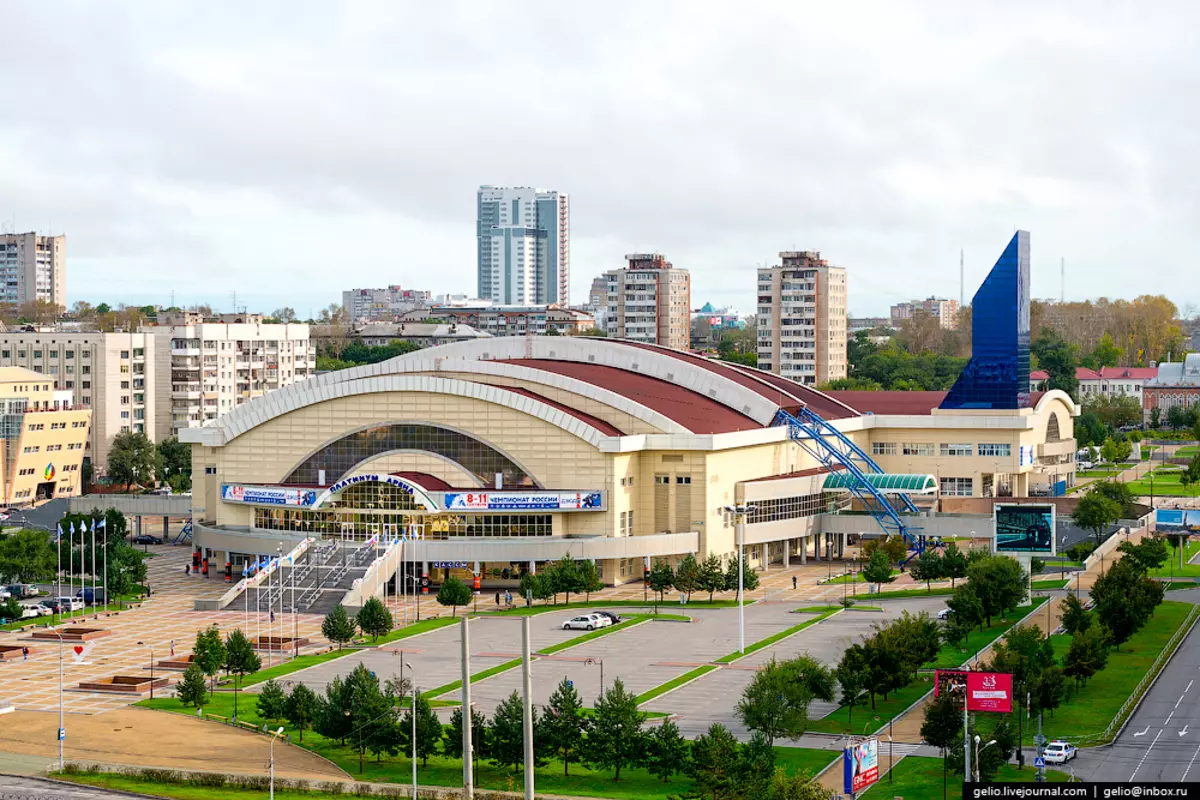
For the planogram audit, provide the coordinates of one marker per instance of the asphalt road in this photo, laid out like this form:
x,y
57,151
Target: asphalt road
x,y
1162,740
21,788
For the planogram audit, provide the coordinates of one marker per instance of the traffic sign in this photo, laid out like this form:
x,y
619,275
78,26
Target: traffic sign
x,y
1039,762
62,734
570,684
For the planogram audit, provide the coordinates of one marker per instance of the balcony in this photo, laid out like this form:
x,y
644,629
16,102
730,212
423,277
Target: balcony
x,y
183,351
185,391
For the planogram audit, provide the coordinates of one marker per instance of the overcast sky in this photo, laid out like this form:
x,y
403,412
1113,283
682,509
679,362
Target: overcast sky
x,y
291,150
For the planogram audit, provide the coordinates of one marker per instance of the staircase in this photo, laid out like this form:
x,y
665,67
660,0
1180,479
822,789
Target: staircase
x,y
332,586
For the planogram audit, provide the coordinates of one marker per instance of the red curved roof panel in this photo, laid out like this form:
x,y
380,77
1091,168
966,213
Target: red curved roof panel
x,y
606,428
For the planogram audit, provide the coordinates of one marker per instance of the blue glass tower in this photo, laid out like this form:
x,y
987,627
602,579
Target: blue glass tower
x,y
997,376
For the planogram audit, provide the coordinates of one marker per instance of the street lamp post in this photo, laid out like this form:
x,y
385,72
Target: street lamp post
x,y
150,647
413,713
740,511
62,726
599,661
979,750
271,761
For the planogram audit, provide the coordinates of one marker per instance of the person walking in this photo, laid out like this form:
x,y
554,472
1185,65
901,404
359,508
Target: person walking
x,y
793,581
497,599
24,653
172,648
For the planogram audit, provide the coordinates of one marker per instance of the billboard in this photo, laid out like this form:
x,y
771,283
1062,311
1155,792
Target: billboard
x,y
1024,528
267,495
860,765
983,691
1177,520
523,501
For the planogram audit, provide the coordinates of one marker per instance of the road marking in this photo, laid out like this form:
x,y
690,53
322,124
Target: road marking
x,y
1169,718
1185,691
1147,753
1184,731
1189,766
1142,733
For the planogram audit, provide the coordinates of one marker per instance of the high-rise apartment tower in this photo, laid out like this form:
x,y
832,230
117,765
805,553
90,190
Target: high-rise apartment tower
x,y
32,268
802,318
524,245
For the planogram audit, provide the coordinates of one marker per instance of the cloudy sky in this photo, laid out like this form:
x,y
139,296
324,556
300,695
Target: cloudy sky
x,y
290,150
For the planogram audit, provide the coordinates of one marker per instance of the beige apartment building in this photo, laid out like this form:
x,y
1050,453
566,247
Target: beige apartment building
x,y
33,268
944,310
649,301
43,438
161,379
802,318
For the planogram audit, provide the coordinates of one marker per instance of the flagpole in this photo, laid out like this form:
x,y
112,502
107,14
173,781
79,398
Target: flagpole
x,y
59,543
104,544
93,566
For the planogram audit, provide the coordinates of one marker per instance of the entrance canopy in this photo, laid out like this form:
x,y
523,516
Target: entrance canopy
x,y
886,484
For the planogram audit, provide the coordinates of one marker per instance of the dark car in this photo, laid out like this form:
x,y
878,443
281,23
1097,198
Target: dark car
x,y
616,618
146,538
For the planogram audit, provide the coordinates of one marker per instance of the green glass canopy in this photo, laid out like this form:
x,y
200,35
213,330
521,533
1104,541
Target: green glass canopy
x,y
886,483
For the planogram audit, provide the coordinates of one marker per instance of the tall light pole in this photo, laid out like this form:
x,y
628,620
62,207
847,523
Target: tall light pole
x,y
468,744
979,750
599,661
62,726
413,714
271,761
740,511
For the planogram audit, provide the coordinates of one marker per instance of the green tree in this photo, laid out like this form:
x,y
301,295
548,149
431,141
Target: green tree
x,y
1156,417
1025,653
453,593
666,751
333,719
878,569
967,610
798,786
999,584
1047,690
1106,354
302,708
589,578
452,744
1118,492
1059,359
192,690
209,653
1149,554
853,674
337,626
1191,475
174,458
1108,451
1086,655
27,556
429,729
714,767
749,576
371,724
566,577
564,723
1124,598
615,739
756,765
506,743
942,725
662,578
132,458
774,703
240,660
712,576
927,568
954,563
272,702
687,576
1075,618
374,619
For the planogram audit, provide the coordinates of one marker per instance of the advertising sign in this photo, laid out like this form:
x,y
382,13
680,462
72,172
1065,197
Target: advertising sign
x,y
989,691
267,495
1025,528
860,765
1177,520
953,681
523,501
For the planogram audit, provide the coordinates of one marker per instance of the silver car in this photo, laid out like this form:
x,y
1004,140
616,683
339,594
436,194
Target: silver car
x,y
587,622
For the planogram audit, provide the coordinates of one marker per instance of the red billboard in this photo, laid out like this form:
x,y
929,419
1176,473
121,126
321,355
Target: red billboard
x,y
989,691
860,766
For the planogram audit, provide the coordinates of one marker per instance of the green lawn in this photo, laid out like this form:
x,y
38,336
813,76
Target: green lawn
x,y
663,688
1099,473
1047,585
424,626
773,638
854,577
442,771
910,593
814,609
1171,585
1187,451
866,719
1166,484
1088,711
921,777
527,611
1172,568
953,655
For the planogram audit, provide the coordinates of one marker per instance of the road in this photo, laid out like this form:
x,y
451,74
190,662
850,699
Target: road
x,y
1162,740
15,788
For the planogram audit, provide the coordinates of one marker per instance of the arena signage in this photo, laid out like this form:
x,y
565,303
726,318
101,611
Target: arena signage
x,y
523,501
267,495
417,493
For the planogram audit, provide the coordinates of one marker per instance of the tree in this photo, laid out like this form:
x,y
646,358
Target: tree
x,y
285,314
429,729
1048,690
1075,618
927,568
132,458
1124,598
1156,417
715,764
302,708
453,593
967,608
452,744
566,577
749,576
666,751
506,743
954,563
240,660
1191,475
615,739
774,705
27,556
337,626
755,766
209,653
1025,653
942,724
1086,655
174,458
534,586
1119,493
853,674
1149,554
564,723
371,722
272,702
1108,451
878,569
374,619
1058,358
589,578
192,690
662,578
799,786
687,575
712,577
999,583
333,710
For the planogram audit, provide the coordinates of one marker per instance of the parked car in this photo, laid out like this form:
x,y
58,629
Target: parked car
x,y
1084,464
30,612
69,604
587,622
613,617
22,590
146,538
162,490
38,609
5,594
1059,752
945,613
90,596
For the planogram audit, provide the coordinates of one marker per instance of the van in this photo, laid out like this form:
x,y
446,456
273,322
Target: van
x,y
91,596
69,604
22,590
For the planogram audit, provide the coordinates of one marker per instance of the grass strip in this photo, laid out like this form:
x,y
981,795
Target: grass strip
x,y
951,655
896,593
478,676
921,776
529,611
1045,586
773,638
416,628
295,665
844,721
674,683
814,609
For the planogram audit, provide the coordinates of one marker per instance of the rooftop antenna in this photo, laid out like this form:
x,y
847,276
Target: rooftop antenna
x,y
961,280
233,294
1063,278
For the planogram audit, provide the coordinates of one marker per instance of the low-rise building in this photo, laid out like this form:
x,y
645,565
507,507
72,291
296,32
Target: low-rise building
x,y
497,320
383,304
943,309
43,437
1089,381
1177,385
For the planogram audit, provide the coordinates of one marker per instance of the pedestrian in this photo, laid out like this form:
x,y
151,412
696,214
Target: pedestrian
x,y
793,581
497,599
172,648
187,569
272,616
24,653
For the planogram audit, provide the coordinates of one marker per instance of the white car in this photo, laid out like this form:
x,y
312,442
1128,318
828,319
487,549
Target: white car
x,y
29,612
38,610
587,622
1059,752
1085,465
945,613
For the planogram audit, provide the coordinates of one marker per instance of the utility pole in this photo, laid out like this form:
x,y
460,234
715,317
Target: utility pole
x,y
468,752
527,715
1062,266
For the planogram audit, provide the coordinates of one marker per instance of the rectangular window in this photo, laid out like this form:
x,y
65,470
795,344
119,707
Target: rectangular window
x,y
210,470
955,449
998,450
124,354
683,479
957,487
662,480
918,449
883,448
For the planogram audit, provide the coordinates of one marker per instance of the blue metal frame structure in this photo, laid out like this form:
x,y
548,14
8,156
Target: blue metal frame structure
x,y
184,535
830,447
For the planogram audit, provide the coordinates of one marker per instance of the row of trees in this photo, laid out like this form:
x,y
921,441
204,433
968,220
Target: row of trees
x,y
565,576
210,655
373,619
135,459
886,660
1106,503
711,575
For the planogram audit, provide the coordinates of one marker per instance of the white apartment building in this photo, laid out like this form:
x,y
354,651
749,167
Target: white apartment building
x,y
802,318
944,310
33,268
215,367
384,305
649,301
523,236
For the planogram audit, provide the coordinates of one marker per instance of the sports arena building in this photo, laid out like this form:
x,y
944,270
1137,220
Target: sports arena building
x,y
501,453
